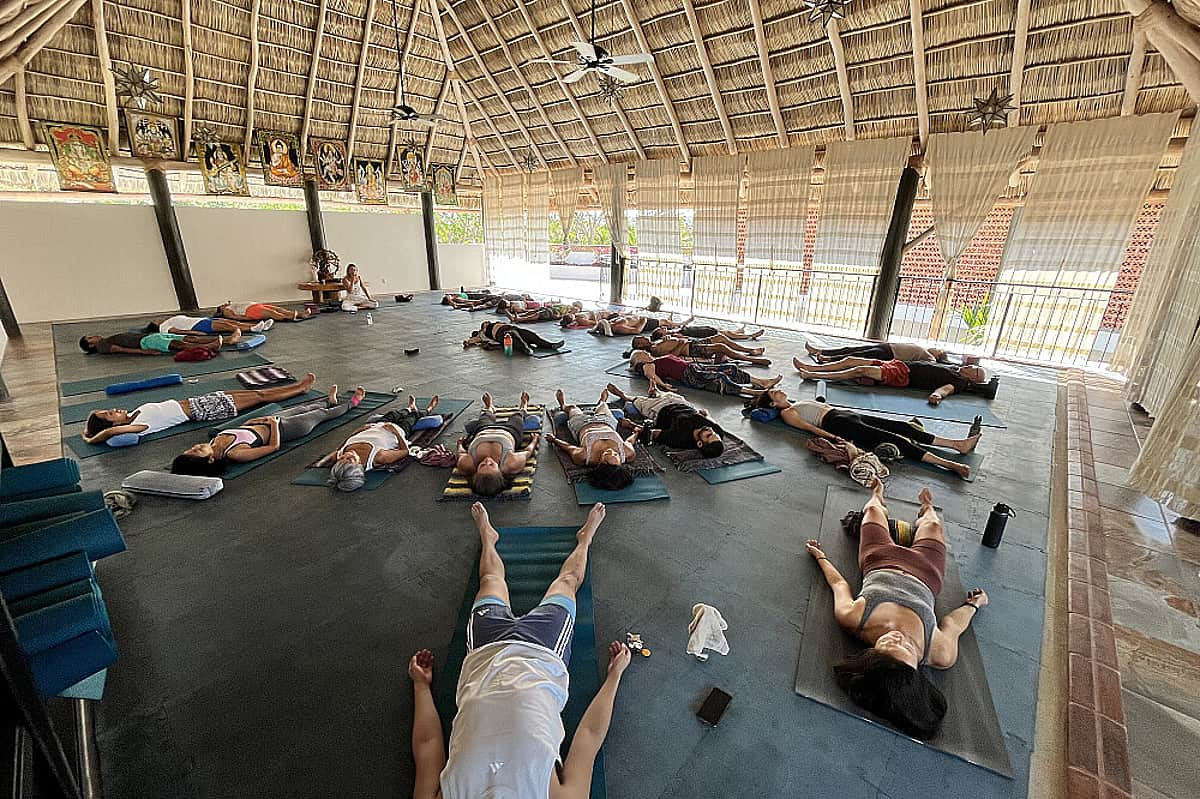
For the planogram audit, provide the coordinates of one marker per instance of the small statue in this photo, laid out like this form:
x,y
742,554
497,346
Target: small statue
x,y
325,265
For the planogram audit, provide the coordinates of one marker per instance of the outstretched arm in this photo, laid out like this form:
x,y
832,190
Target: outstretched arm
x,y
944,647
110,432
843,599
940,394
429,749
575,452
593,727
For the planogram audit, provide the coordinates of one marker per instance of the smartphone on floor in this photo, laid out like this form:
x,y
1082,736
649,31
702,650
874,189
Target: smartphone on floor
x,y
714,707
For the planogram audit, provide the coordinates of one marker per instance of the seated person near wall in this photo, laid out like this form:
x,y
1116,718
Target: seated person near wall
x,y
258,311
375,445
868,432
139,343
894,615
490,336
357,297
596,442
687,330
216,406
721,378
206,326
884,351
941,380
700,348
550,312
675,422
490,453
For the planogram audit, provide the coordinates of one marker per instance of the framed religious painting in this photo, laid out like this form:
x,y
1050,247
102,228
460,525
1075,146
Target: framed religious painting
x,y
280,153
412,169
79,156
333,167
443,184
369,182
223,169
153,137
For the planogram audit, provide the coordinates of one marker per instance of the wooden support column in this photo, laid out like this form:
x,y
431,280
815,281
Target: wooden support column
x,y
920,84
252,80
1133,77
189,77
431,257
106,74
312,209
883,303
168,228
311,87
22,104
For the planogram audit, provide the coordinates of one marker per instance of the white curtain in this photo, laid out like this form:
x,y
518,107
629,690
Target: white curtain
x,y
493,229
537,223
1161,325
1168,468
612,183
658,211
566,184
966,173
861,178
715,183
512,218
777,207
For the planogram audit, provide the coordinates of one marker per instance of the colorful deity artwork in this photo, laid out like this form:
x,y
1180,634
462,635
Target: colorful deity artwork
x,y
329,156
443,184
153,137
412,169
369,182
280,154
80,157
223,169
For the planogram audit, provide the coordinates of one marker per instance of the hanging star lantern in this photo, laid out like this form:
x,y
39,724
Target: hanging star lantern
x,y
136,85
204,136
823,11
991,112
611,89
529,162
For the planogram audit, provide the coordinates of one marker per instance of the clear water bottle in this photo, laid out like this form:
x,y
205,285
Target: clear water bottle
x,y
508,343
370,319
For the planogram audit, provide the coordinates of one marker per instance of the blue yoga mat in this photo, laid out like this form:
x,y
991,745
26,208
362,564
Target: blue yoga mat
x,y
738,471
532,558
71,663
643,489
956,408
78,412
225,362
45,576
319,476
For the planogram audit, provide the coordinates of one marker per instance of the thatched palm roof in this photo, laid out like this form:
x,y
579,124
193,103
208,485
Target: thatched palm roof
x,y
714,94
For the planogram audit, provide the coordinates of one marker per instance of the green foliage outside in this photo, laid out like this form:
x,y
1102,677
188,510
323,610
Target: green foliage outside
x,y
975,319
458,227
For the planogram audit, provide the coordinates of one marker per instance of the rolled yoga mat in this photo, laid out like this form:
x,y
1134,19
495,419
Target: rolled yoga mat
x,y
532,558
971,730
225,362
906,402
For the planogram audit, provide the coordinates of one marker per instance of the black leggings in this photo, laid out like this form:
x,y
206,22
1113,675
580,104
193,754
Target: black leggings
x,y
882,352
525,341
871,431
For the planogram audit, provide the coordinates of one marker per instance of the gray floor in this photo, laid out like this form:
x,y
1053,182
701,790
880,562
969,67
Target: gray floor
x,y
264,634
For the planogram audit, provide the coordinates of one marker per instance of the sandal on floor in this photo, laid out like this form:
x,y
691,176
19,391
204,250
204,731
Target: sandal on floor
x,y
976,427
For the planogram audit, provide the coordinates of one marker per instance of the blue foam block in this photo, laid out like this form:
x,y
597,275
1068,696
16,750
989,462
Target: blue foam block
x,y
764,414
95,534
55,476
32,510
139,385
428,423
46,576
533,423
250,342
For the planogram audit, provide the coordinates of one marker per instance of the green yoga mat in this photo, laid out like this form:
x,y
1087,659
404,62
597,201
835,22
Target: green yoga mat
x,y
532,557
82,449
72,414
738,471
957,408
319,476
225,362
643,489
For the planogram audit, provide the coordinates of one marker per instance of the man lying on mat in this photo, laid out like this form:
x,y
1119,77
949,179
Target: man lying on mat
x,y
375,445
262,435
481,301
586,318
894,615
216,406
508,731
941,380
868,432
550,312
490,336
490,453
258,311
630,325
596,442
206,325
700,348
675,422
721,378
882,350
141,343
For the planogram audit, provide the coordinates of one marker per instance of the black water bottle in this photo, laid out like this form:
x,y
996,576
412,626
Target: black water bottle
x,y
995,525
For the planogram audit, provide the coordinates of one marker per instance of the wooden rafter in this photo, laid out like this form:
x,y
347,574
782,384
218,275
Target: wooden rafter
x,y
537,105
920,83
768,74
491,125
573,18
408,38
456,85
492,81
368,23
110,83
1016,78
255,8
437,110
476,154
22,102
709,75
310,90
189,74
636,26
24,21
843,76
22,52
1133,77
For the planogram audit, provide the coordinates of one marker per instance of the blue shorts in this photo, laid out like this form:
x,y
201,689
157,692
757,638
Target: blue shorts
x,y
204,326
551,624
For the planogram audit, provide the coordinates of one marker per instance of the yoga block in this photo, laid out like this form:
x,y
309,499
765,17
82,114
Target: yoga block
x,y
45,576
269,409
140,385
52,476
124,440
533,423
250,342
428,423
165,484
32,510
96,534
61,667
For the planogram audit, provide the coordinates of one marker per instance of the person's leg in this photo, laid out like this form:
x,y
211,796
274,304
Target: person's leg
x,y
221,326
281,314
245,400
213,344
869,372
741,335
901,428
836,366
874,534
715,378
294,425
534,340
732,354
491,567
616,392
930,542
574,568
733,345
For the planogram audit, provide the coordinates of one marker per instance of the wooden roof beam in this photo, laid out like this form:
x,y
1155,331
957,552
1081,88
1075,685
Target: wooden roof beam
x,y
1133,77
311,88
408,38
437,109
22,102
1016,78
920,83
368,24
768,74
22,53
644,45
456,85
843,76
189,76
709,75
252,79
25,20
537,105
110,83
491,125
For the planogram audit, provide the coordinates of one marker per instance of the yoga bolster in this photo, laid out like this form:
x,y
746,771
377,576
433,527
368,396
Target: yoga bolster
x,y
428,423
165,484
124,440
533,423
139,385
250,342
764,414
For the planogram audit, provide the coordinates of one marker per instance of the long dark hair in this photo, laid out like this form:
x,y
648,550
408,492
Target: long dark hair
x,y
763,400
610,477
894,691
198,465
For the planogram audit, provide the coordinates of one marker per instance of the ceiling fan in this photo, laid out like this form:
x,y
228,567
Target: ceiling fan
x,y
591,57
402,111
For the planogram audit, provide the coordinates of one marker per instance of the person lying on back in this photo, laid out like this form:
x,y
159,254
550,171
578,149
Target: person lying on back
x,y
675,422
140,343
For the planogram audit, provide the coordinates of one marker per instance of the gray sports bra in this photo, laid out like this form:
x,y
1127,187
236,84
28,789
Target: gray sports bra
x,y
885,585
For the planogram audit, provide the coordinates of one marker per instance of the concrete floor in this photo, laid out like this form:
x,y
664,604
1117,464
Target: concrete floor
x,y
264,634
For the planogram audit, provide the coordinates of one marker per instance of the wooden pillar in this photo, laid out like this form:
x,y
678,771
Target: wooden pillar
x,y
616,276
883,303
168,228
312,207
7,317
431,258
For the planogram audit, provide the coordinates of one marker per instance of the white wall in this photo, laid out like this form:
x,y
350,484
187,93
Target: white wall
x,y
460,265
388,248
81,260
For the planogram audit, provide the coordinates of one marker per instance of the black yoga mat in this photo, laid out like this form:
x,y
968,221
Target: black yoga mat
x,y
971,730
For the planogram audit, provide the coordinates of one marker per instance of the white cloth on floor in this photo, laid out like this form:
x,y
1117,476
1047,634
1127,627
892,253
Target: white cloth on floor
x,y
707,631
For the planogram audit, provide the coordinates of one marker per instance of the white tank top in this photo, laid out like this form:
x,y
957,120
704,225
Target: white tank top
x,y
508,730
810,411
180,323
601,433
378,436
239,308
159,416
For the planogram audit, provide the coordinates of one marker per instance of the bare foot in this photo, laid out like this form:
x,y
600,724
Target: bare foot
x,y
595,516
969,444
877,489
756,351
604,396
487,399
926,496
800,366
483,524
357,396
977,598
412,402
813,352
562,399
756,334
433,403
308,381
963,470
333,394
767,383
612,389
524,399
236,335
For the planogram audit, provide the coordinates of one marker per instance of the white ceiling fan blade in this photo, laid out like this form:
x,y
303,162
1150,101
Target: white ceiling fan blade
x,y
636,58
549,61
426,121
585,49
620,74
577,76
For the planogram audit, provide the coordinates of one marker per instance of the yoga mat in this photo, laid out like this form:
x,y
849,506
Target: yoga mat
x,y
225,362
622,370
78,412
458,487
971,730
736,451
738,471
643,489
548,353
82,449
532,558
319,476
956,408
643,463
